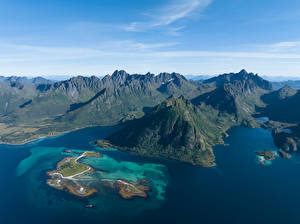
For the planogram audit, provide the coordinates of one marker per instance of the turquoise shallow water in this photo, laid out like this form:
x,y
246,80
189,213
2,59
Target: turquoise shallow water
x,y
44,158
238,190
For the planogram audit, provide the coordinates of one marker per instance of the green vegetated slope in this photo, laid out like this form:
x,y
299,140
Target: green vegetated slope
x,y
174,129
163,115
33,109
186,130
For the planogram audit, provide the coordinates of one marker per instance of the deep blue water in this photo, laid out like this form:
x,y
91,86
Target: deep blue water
x,y
238,190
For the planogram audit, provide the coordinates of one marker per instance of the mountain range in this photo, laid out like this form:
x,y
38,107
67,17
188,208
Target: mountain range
x,y
163,115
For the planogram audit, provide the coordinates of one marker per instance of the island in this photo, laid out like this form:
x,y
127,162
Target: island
x,y
66,174
266,155
128,190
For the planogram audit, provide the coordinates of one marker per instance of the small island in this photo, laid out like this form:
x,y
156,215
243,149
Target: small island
x,y
264,156
66,172
128,190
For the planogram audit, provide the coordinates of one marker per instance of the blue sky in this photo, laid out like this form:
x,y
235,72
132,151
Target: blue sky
x,y
85,37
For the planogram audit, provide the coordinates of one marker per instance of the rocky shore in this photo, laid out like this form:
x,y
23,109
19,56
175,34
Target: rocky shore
x,y
60,180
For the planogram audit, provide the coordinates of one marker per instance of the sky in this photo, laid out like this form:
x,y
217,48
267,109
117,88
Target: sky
x,y
191,37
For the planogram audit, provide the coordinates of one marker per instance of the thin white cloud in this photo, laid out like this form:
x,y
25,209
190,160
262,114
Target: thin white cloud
x,y
286,44
282,47
169,14
123,49
135,57
178,10
134,27
23,53
134,45
175,31
230,54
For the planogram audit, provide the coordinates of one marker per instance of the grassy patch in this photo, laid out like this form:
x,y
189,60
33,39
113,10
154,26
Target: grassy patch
x,y
71,168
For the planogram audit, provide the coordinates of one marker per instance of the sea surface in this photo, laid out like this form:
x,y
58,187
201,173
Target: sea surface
x,y
238,190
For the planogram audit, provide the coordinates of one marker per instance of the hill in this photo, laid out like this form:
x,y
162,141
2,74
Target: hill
x,y
282,105
175,129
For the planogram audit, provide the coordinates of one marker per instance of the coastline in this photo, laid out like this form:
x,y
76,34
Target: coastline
x,y
58,180
58,134
36,139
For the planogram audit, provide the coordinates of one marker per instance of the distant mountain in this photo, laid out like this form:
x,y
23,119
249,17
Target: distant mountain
x,y
25,80
236,93
198,77
295,84
242,76
15,91
175,129
280,78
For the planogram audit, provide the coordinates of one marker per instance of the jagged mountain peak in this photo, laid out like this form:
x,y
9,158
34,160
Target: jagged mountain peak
x,y
165,77
242,76
243,72
119,76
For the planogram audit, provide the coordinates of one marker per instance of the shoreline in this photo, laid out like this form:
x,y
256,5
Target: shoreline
x,y
58,180
35,139
47,136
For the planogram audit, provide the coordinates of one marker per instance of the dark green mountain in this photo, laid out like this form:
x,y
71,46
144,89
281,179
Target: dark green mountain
x,y
175,129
